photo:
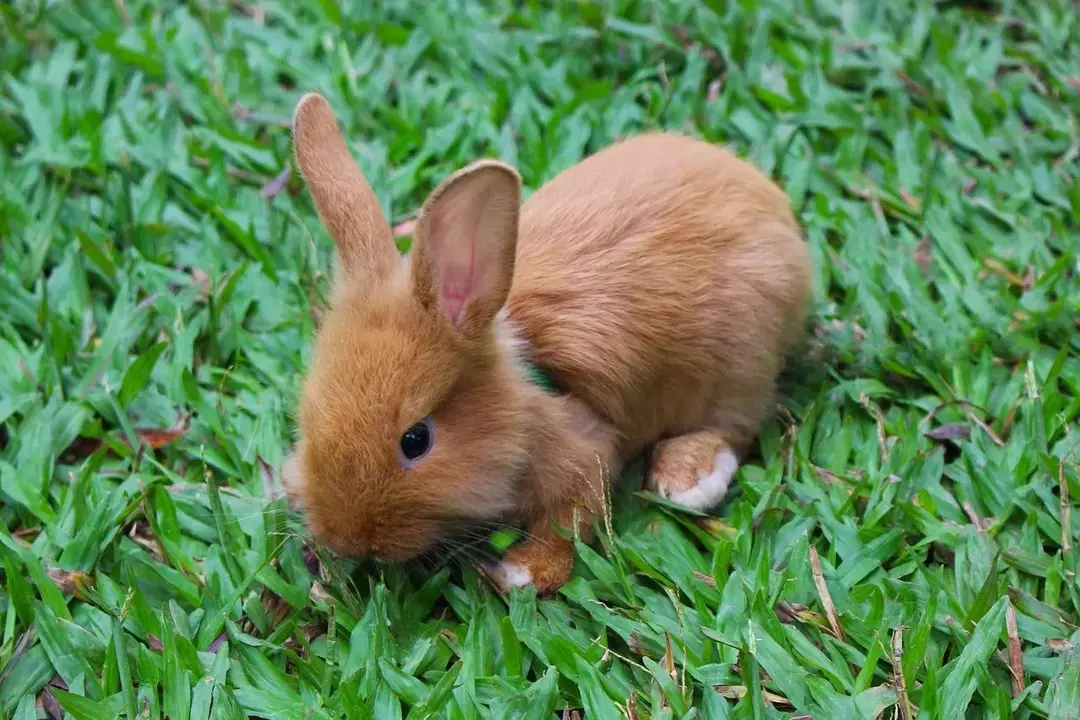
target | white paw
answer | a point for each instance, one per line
(710, 489)
(507, 575)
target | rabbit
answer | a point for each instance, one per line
(659, 283)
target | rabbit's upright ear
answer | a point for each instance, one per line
(466, 239)
(345, 201)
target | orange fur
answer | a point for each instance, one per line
(660, 281)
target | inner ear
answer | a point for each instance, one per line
(466, 239)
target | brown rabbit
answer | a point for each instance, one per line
(659, 283)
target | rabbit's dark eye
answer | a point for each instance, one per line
(416, 441)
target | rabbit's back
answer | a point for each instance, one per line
(656, 274)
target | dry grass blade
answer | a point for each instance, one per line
(707, 579)
(823, 594)
(994, 437)
(1066, 511)
(904, 703)
(879, 419)
(979, 523)
(998, 268)
(1016, 656)
(738, 692)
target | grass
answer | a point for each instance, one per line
(903, 546)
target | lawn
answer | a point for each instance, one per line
(903, 544)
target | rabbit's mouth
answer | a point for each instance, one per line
(470, 542)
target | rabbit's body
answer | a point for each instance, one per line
(659, 282)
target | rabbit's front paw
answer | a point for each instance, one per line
(546, 565)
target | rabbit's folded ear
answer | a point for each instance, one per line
(345, 201)
(466, 238)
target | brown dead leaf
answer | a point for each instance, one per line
(216, 644)
(155, 438)
(313, 630)
(828, 476)
(72, 582)
(790, 613)
(311, 561)
(159, 437)
(713, 93)
(275, 186)
(318, 594)
(25, 533)
(141, 534)
(1060, 645)
(274, 607)
(922, 254)
(981, 524)
(48, 703)
(266, 473)
(201, 280)
(738, 692)
(154, 642)
(669, 658)
(950, 431)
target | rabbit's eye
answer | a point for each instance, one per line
(416, 441)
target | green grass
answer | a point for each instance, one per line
(158, 290)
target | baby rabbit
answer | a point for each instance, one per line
(658, 283)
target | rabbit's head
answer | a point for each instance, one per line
(412, 419)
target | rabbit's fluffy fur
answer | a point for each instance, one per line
(660, 282)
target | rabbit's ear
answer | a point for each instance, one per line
(466, 238)
(345, 201)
